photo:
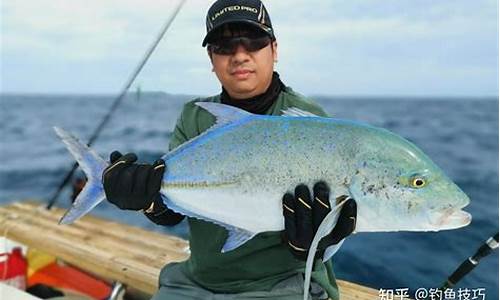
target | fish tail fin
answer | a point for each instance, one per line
(324, 228)
(93, 166)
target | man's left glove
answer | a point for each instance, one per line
(303, 214)
(130, 185)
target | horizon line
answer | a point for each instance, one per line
(373, 96)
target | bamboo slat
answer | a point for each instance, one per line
(111, 250)
(108, 249)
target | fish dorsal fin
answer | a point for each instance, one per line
(224, 114)
(297, 112)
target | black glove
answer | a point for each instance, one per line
(132, 186)
(303, 216)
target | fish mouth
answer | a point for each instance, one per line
(451, 219)
(458, 219)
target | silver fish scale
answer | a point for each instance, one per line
(266, 152)
(258, 161)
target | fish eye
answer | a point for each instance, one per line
(418, 182)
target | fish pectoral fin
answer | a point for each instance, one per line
(324, 229)
(236, 237)
(331, 250)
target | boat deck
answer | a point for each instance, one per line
(111, 250)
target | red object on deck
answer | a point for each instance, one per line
(70, 278)
(13, 268)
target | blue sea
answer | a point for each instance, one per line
(460, 135)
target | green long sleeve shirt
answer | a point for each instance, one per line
(263, 261)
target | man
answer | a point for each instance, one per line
(242, 48)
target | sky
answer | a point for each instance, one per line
(335, 47)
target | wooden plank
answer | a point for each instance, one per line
(104, 240)
(101, 227)
(111, 250)
(353, 291)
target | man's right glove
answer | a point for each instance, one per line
(134, 186)
(303, 214)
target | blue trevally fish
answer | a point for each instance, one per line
(235, 174)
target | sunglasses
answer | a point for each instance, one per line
(228, 46)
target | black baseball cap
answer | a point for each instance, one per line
(250, 12)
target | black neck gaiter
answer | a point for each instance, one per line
(259, 104)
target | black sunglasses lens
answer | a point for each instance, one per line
(224, 47)
(252, 45)
(229, 46)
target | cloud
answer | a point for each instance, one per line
(82, 29)
(92, 46)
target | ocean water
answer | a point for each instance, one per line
(460, 135)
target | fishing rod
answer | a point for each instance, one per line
(118, 100)
(469, 264)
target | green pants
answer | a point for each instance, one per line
(176, 286)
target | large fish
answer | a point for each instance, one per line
(236, 173)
